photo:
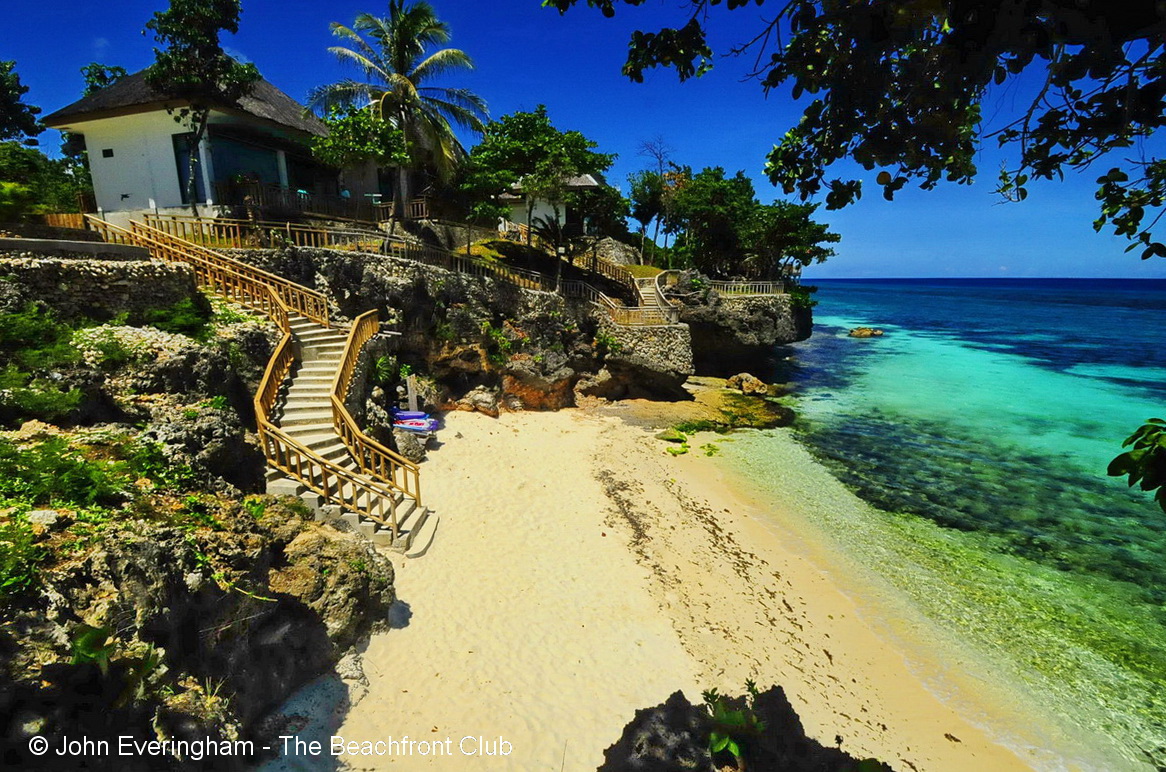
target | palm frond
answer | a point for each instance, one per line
(346, 93)
(345, 33)
(440, 62)
(452, 112)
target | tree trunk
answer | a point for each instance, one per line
(402, 193)
(192, 162)
(529, 215)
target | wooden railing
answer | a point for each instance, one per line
(335, 483)
(234, 278)
(245, 284)
(240, 234)
(748, 287)
(224, 233)
(279, 197)
(372, 457)
(627, 316)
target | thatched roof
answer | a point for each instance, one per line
(132, 94)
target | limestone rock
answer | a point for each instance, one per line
(866, 332)
(480, 399)
(409, 445)
(747, 384)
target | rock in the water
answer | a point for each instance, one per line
(866, 332)
(409, 445)
(748, 384)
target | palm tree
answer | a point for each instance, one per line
(396, 69)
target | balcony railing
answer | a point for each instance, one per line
(287, 200)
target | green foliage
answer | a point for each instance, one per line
(33, 346)
(900, 86)
(1145, 461)
(93, 645)
(190, 316)
(16, 201)
(54, 473)
(647, 196)
(359, 135)
(19, 555)
(33, 183)
(398, 69)
(712, 209)
(607, 343)
(501, 345)
(732, 728)
(18, 121)
(385, 370)
(100, 76)
(801, 296)
(782, 234)
(254, 506)
(525, 148)
(194, 68)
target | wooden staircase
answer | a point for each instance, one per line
(313, 446)
(305, 414)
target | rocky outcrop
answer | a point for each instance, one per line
(641, 362)
(675, 736)
(729, 332)
(866, 332)
(477, 336)
(748, 384)
(163, 629)
(616, 252)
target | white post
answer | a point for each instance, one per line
(281, 163)
(208, 172)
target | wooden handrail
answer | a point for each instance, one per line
(372, 457)
(309, 303)
(223, 276)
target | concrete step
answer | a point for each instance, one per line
(422, 538)
(298, 416)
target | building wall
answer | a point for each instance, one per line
(142, 173)
(541, 209)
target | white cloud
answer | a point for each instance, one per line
(100, 47)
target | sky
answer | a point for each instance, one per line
(527, 55)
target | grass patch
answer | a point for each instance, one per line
(644, 271)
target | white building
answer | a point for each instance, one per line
(525, 211)
(255, 150)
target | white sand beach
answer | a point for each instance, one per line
(581, 573)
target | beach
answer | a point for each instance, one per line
(581, 573)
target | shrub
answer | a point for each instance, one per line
(801, 296)
(189, 316)
(19, 555)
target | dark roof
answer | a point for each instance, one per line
(265, 101)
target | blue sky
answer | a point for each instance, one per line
(528, 55)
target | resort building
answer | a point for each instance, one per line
(573, 220)
(255, 151)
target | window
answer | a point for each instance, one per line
(107, 152)
(182, 160)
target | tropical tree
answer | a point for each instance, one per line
(356, 136)
(647, 201)
(398, 70)
(194, 68)
(782, 236)
(99, 76)
(525, 149)
(18, 121)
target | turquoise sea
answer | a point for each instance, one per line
(980, 427)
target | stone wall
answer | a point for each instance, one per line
(93, 289)
(86, 250)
